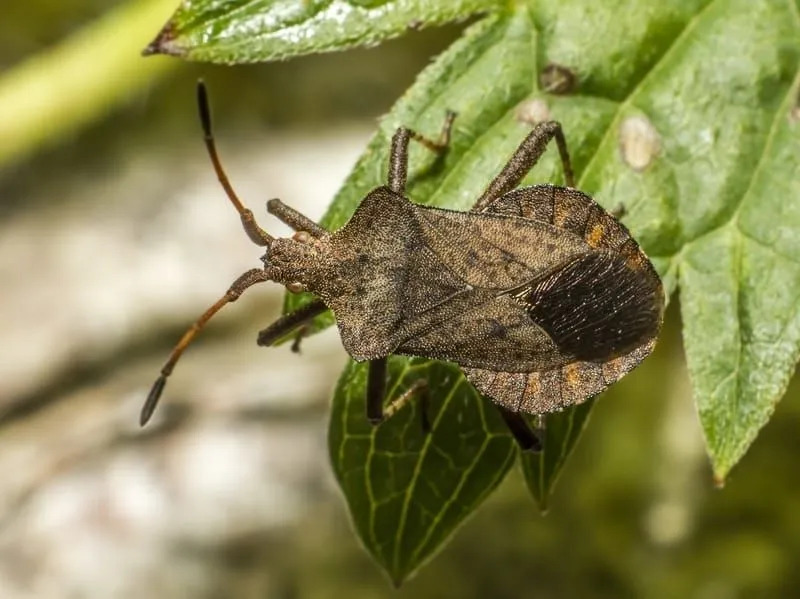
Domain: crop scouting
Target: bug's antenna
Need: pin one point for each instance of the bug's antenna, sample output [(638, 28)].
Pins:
[(256, 234), (251, 277)]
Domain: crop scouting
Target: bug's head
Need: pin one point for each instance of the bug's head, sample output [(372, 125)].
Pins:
[(302, 263)]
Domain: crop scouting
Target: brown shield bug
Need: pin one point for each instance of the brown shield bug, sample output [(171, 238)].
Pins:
[(541, 296)]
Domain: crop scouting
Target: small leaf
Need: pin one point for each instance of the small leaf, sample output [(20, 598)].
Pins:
[(407, 490), (559, 436), (238, 31)]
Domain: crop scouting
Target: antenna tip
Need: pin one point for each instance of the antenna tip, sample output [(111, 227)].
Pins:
[(152, 400)]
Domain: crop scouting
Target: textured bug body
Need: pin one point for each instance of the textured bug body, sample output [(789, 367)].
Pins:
[(540, 296), (543, 298)]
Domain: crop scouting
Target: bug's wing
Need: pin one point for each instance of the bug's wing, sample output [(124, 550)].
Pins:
[(575, 381), (554, 389), (482, 330)]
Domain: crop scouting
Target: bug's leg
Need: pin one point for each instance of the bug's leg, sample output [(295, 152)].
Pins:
[(290, 216), (398, 155), (301, 333), (285, 324), (523, 160), (256, 234), (248, 279), (376, 390), (418, 389), (524, 435)]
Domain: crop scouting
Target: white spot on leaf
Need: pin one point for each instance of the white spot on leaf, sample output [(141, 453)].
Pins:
[(639, 142)]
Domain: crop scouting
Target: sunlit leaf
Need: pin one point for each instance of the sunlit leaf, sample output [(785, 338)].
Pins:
[(237, 31)]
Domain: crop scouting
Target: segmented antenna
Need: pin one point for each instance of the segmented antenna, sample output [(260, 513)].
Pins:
[(251, 277), (256, 234)]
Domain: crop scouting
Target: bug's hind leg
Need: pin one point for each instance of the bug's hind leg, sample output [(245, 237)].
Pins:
[(398, 156), (296, 220), (376, 394), (526, 438), (419, 389), (285, 324), (524, 159)]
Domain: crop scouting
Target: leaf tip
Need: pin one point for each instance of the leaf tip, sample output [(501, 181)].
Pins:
[(719, 480), (164, 42)]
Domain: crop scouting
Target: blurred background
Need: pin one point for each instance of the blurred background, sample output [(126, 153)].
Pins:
[(115, 235)]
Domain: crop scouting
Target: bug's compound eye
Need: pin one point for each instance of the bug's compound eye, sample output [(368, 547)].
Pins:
[(302, 237), (296, 287)]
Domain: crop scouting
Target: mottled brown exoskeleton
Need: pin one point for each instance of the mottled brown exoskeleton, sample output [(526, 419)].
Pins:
[(541, 297)]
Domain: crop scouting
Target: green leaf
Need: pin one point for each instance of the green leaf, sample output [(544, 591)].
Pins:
[(561, 432), (238, 31), (749, 296), (407, 490)]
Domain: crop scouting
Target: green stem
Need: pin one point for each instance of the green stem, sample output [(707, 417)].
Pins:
[(81, 79)]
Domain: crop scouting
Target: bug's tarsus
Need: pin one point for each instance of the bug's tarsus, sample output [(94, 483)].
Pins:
[(524, 159), (418, 389), (247, 279), (301, 333), (398, 154), (619, 211), (256, 234), (539, 423), (424, 408), (293, 218), (376, 395), (440, 144), (525, 436), (287, 323)]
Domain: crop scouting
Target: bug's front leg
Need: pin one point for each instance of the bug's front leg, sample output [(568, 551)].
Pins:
[(285, 324), (398, 155), (524, 159)]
